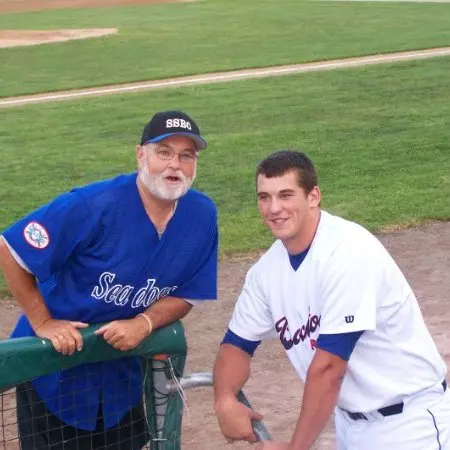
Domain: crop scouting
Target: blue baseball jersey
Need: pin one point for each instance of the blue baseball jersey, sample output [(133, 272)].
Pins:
[(97, 257)]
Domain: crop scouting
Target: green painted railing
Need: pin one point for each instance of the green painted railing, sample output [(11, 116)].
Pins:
[(22, 359)]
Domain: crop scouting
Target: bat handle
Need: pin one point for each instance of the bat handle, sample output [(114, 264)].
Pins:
[(260, 430)]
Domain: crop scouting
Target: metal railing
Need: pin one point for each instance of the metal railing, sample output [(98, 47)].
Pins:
[(205, 379)]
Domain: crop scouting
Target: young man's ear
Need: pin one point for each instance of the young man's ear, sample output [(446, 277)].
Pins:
[(315, 197)]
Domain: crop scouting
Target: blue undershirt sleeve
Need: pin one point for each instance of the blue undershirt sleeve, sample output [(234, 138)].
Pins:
[(244, 344), (341, 344)]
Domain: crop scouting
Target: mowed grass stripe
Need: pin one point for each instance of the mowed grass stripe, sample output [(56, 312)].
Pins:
[(223, 77), (379, 136), (179, 39)]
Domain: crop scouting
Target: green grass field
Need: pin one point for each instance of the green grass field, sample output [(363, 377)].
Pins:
[(379, 136), (213, 35)]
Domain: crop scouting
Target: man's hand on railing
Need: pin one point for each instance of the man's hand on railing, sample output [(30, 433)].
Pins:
[(124, 334), (63, 334)]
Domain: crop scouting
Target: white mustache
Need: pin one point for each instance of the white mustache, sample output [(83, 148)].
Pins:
[(177, 173)]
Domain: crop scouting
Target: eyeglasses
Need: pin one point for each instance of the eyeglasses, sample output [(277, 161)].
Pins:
[(167, 154)]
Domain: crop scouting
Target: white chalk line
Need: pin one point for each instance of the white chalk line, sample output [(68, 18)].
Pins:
[(227, 76)]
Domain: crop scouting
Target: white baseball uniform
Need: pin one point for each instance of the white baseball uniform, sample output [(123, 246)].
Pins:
[(348, 282)]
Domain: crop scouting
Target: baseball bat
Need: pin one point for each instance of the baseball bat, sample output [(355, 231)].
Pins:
[(203, 379)]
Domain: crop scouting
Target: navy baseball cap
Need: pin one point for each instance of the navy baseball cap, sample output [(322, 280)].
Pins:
[(169, 123)]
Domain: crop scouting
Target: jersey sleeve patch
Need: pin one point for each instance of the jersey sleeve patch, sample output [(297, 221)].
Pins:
[(36, 235), (244, 344), (341, 344)]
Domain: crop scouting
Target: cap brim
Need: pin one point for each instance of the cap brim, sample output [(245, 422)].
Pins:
[(200, 143)]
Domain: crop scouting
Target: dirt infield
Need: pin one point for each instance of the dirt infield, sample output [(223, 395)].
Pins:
[(24, 38), (18, 38), (424, 255)]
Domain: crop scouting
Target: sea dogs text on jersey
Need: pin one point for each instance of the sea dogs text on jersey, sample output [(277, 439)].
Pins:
[(300, 335), (121, 294), (178, 123)]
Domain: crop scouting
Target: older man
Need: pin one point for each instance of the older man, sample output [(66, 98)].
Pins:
[(135, 251)]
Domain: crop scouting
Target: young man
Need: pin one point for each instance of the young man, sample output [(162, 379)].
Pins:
[(135, 251), (347, 319)]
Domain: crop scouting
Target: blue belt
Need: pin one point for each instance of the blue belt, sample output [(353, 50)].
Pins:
[(387, 410)]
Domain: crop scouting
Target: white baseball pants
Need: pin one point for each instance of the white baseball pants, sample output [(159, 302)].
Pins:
[(424, 424)]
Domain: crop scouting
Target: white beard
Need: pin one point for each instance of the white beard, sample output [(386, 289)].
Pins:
[(157, 186)]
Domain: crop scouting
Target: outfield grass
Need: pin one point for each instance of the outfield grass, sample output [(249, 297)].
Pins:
[(379, 136), (187, 38)]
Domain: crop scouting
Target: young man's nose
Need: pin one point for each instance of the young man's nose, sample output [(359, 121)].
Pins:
[(275, 206)]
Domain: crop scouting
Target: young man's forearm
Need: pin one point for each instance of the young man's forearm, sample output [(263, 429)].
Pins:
[(22, 286), (231, 371), (319, 399)]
